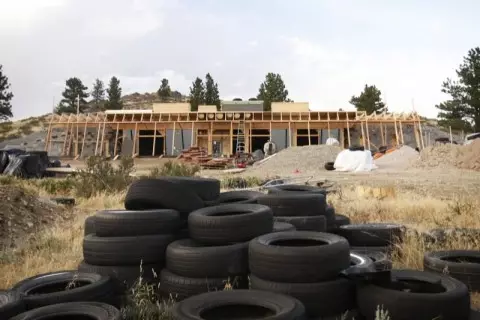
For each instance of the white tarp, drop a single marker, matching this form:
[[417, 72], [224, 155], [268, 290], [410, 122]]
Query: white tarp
[[354, 161], [332, 142]]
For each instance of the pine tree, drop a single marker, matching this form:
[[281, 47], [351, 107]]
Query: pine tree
[[197, 94], [212, 95], [272, 90], [98, 94], [5, 97], [164, 92], [74, 91], [369, 100], [114, 93]]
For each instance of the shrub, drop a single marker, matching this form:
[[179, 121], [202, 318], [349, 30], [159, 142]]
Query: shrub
[[57, 186], [101, 176], [240, 183], [174, 169]]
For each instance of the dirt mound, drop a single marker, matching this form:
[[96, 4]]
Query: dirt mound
[[296, 161], [398, 159], [22, 214], [451, 155]]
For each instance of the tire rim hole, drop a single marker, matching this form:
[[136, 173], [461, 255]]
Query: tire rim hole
[[68, 317], [57, 287], [414, 286], [298, 243], [231, 213], [236, 311], [462, 259], [233, 200]]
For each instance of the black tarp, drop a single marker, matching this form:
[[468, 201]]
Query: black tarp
[[24, 164]]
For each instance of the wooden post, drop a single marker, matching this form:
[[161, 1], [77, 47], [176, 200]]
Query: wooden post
[[342, 138], [289, 134], [309, 138], [270, 131], [451, 136], [65, 142], [386, 135], [363, 134], [173, 138], [84, 136], [98, 138], [154, 138], [382, 134], [49, 135], [421, 133], [417, 138], [396, 129], [103, 137], [164, 141], [368, 133], [231, 138], [348, 133], [76, 138], [135, 135], [210, 140], [193, 134], [401, 133]]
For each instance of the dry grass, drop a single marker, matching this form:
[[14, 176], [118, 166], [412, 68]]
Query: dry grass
[[60, 248]]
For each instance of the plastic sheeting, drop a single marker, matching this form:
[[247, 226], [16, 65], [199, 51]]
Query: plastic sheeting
[[354, 161], [332, 142], [16, 162]]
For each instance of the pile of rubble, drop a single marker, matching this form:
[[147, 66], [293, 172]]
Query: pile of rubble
[[199, 156], [451, 155]]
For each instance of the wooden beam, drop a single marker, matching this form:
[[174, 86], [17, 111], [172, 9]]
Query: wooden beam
[[103, 137], [173, 138], [401, 133], [363, 134], [84, 137], [289, 134], [421, 133], [116, 141], [193, 134], [231, 138], [382, 134], [154, 138], [348, 133], [368, 134], [309, 138], [396, 131], [98, 137], [135, 136]]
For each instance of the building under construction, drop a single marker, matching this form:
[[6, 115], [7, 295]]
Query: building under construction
[[168, 128]]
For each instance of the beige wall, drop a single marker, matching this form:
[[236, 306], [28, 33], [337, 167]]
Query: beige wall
[[207, 108], [290, 107], [171, 107]]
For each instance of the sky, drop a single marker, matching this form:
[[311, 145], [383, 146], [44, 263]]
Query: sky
[[325, 50]]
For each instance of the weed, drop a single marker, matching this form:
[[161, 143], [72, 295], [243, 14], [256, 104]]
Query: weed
[[240, 183], [174, 169]]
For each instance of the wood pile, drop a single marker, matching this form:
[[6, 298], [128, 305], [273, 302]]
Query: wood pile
[[199, 156]]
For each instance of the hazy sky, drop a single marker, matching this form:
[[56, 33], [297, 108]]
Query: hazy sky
[[325, 50]]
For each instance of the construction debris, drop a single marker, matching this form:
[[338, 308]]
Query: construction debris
[[199, 156]]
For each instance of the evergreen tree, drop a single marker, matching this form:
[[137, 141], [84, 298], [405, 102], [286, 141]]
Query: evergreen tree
[[212, 95], [462, 111], [237, 99], [114, 93], [369, 100], [98, 94], [272, 90], [74, 91], [197, 94], [164, 92], [5, 97]]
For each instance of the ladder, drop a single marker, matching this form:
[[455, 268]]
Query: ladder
[[240, 149]]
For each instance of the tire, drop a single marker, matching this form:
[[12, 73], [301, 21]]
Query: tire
[[330, 216], [245, 304], [127, 275], [312, 223], [341, 220], [298, 256], [296, 188], [51, 288], [290, 204], [73, 310], [190, 259], [230, 223], [64, 201], [329, 166], [380, 259], [89, 225], [179, 288], [146, 194], [474, 315], [10, 304], [463, 265], [360, 263], [366, 250], [336, 296], [205, 188], [356, 148], [125, 251], [125, 223], [450, 299], [283, 226], [371, 234], [242, 196]]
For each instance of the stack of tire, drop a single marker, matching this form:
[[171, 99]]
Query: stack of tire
[[305, 207], [307, 266], [217, 253], [130, 243], [45, 294], [375, 240]]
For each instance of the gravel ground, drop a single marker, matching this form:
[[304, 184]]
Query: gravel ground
[[398, 159]]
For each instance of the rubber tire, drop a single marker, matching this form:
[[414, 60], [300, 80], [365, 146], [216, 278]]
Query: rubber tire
[[341, 220], [89, 226], [336, 295], [330, 166], [295, 263], [240, 196], [291, 204], [296, 188], [312, 223], [99, 288], [146, 194], [230, 223], [366, 250], [90, 310], [126, 275], [381, 261], [371, 234], [453, 304], [207, 189], [180, 288], [190, 259], [126, 223], [283, 307], [125, 251], [468, 273], [283, 226], [10, 304], [356, 148]]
